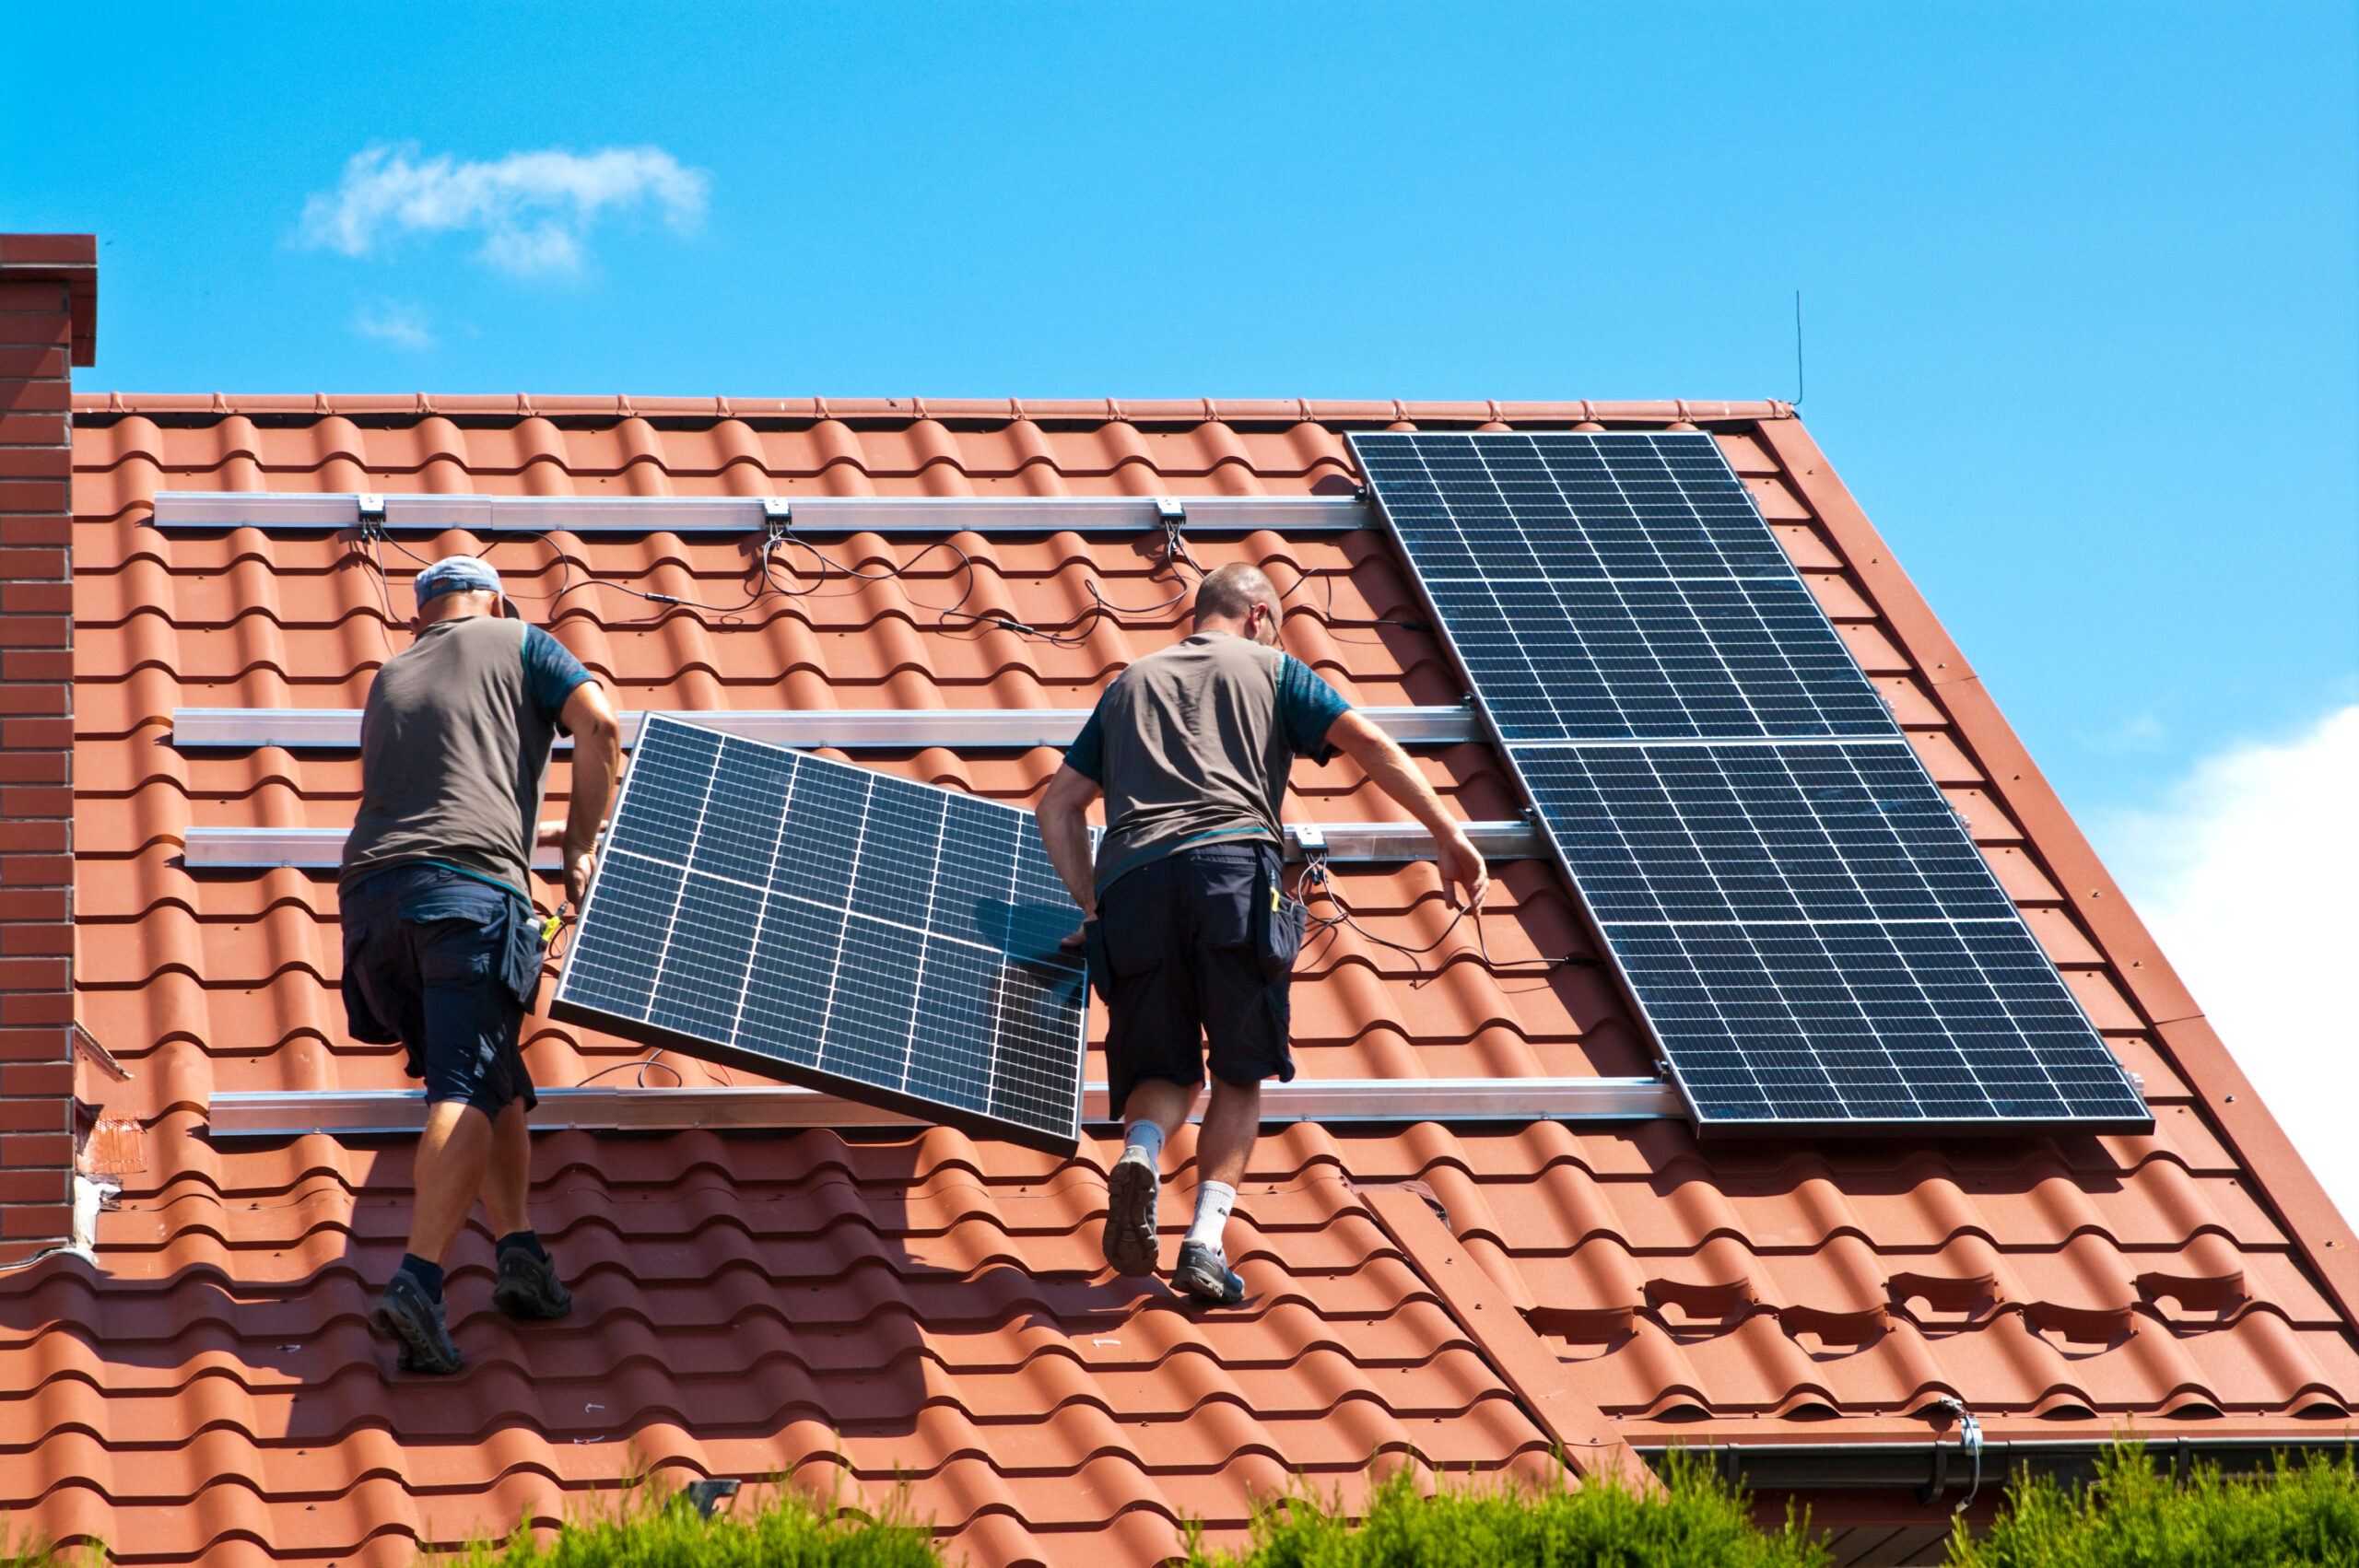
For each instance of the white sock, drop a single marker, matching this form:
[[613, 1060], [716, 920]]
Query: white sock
[[1214, 1201], [1148, 1136]]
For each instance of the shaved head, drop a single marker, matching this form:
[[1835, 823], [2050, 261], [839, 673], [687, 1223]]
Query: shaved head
[[1230, 592]]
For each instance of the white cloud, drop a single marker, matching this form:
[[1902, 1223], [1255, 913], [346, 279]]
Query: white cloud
[[2247, 876], [533, 209], [396, 324]]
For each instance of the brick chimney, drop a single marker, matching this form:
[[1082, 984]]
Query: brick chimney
[[48, 307]]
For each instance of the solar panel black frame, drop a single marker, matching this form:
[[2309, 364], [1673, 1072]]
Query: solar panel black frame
[[1731, 969], [963, 1010]]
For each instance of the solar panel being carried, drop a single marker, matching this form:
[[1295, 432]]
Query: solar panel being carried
[[1798, 913], [890, 941]]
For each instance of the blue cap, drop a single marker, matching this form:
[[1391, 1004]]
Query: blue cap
[[456, 573]]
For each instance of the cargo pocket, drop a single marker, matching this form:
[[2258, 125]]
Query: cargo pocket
[[522, 972], [1278, 924], [360, 1019]]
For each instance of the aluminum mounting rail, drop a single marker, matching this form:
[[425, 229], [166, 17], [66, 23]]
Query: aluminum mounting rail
[[322, 848], [214, 509], [381, 1112], [848, 729]]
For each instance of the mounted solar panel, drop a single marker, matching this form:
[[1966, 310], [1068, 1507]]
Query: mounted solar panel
[[889, 942], [1800, 916]]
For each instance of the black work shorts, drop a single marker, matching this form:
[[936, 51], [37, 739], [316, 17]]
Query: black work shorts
[[434, 960], [1190, 985]]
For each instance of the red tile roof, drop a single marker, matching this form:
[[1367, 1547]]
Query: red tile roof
[[862, 1309]]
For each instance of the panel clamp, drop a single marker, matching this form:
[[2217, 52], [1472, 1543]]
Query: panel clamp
[[778, 519], [1311, 839]]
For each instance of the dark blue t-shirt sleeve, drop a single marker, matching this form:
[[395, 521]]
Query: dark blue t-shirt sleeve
[[1308, 707], [1086, 755], [550, 674]]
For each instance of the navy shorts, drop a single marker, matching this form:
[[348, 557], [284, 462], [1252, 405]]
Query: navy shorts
[[1191, 984], [436, 960]]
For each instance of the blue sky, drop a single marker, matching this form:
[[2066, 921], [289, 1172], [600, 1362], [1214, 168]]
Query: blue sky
[[2082, 287], [2082, 328]]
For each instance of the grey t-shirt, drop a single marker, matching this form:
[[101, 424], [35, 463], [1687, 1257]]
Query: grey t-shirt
[[454, 751], [1193, 746]]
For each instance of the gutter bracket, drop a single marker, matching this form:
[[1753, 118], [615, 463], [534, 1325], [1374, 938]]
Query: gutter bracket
[[1930, 1494]]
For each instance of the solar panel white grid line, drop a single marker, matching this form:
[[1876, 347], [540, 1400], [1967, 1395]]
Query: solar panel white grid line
[[679, 895], [1678, 584], [764, 902], [2018, 923], [1718, 999], [843, 936], [566, 979], [1563, 720], [1000, 1020], [775, 898], [1998, 993], [1924, 875], [1539, 681], [1730, 578], [1025, 1042], [925, 946]]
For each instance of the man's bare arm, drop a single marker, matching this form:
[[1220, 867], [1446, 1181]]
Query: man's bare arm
[[1063, 816], [597, 758], [1381, 758]]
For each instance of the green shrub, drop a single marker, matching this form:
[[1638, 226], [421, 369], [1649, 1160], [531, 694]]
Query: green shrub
[[2302, 1511], [653, 1528], [36, 1551], [1696, 1523]]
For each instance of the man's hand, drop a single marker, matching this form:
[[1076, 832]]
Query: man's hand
[[1461, 863], [578, 871]]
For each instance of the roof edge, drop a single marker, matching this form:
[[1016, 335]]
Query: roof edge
[[521, 406], [2229, 1103]]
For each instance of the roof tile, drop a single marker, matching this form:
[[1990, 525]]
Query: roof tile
[[923, 1305]]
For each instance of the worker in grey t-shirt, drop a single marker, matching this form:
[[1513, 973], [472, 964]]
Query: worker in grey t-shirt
[[1190, 940], [441, 944]]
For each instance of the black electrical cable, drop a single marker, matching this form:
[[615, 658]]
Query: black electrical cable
[[679, 1079], [1317, 876]]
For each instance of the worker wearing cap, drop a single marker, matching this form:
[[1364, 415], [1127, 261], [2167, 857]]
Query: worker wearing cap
[[442, 944], [1189, 938]]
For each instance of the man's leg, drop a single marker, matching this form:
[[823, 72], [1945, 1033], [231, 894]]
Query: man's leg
[[507, 1177], [1232, 1122], [1160, 1103], [1246, 1014], [528, 1285], [451, 1160], [1154, 1110], [1151, 1041]]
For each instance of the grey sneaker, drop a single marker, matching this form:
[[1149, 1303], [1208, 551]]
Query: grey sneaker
[[1131, 1188], [529, 1287], [1205, 1274], [418, 1325]]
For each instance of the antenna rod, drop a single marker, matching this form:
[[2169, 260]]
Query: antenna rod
[[1798, 348]]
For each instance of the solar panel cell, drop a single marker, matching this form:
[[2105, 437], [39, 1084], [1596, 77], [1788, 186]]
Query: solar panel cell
[[1803, 921], [890, 941]]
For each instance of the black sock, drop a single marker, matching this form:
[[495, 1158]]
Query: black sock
[[529, 1240], [428, 1275]]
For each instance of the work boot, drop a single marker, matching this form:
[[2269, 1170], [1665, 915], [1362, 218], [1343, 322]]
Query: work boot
[[529, 1287], [418, 1325], [1131, 1188], [1205, 1274]]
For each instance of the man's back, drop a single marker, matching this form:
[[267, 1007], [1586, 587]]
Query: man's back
[[454, 750], [1193, 745]]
